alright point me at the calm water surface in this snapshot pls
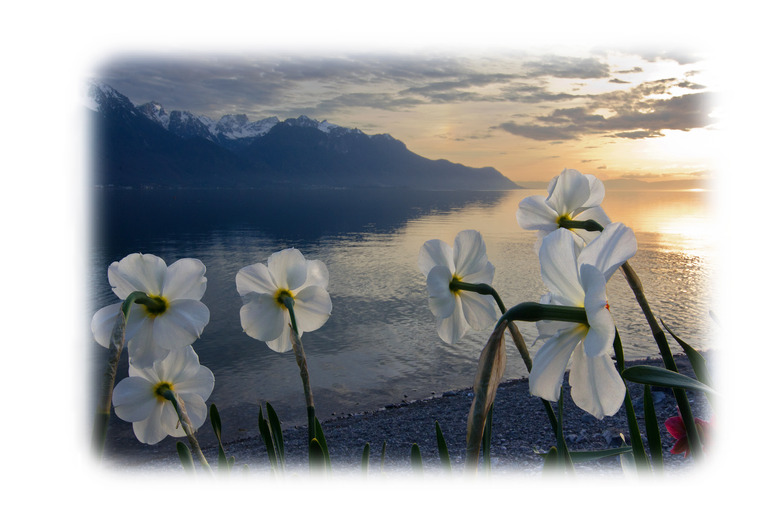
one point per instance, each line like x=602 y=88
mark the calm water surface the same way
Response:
x=380 y=345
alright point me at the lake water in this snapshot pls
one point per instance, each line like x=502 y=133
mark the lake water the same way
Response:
x=380 y=345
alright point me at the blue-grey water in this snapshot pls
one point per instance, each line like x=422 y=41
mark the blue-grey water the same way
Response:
x=380 y=345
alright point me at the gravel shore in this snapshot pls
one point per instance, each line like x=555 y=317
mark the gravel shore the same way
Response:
x=520 y=430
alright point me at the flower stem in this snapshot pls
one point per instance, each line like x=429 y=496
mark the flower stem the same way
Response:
x=101 y=421
x=299 y=353
x=187 y=426
x=588 y=225
x=517 y=337
x=669 y=362
x=640 y=458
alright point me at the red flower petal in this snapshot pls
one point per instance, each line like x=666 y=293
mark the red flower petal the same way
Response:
x=675 y=427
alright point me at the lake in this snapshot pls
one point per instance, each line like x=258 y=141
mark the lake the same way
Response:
x=380 y=345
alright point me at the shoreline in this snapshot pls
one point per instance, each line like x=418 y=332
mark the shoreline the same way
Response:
x=520 y=430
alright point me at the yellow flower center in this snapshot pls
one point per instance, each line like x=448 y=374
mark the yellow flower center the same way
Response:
x=455 y=279
x=563 y=219
x=157 y=306
x=281 y=294
x=160 y=387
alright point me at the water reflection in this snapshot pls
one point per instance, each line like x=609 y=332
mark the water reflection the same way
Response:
x=380 y=342
x=678 y=220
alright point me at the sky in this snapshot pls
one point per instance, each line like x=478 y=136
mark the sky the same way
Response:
x=529 y=112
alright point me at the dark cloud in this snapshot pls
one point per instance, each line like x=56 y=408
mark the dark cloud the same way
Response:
x=215 y=85
x=376 y=101
x=566 y=67
x=230 y=84
x=541 y=133
x=639 y=134
x=632 y=117
x=691 y=86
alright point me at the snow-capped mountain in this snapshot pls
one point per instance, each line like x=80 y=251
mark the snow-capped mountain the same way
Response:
x=147 y=146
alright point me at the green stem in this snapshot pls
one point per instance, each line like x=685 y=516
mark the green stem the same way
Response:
x=533 y=312
x=187 y=426
x=480 y=288
x=695 y=446
x=116 y=342
x=517 y=337
x=299 y=353
x=640 y=458
x=562 y=450
x=588 y=225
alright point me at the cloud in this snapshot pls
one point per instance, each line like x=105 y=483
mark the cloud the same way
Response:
x=566 y=67
x=539 y=132
x=639 y=134
x=380 y=101
x=643 y=111
x=681 y=56
x=634 y=70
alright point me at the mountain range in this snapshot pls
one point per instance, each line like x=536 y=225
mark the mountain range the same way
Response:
x=145 y=146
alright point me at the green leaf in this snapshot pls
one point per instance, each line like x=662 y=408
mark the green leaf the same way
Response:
x=583 y=456
x=365 y=458
x=416 y=458
x=185 y=457
x=266 y=435
x=657 y=376
x=443 y=450
x=316 y=459
x=383 y=453
x=215 y=421
x=277 y=434
x=697 y=361
x=322 y=441
x=223 y=463
x=551 y=460
x=563 y=457
x=489 y=372
x=652 y=429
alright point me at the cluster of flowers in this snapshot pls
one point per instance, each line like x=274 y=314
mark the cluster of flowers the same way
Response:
x=579 y=249
x=161 y=328
x=575 y=266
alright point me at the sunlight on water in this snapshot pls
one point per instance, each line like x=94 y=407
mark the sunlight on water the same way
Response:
x=680 y=220
x=380 y=345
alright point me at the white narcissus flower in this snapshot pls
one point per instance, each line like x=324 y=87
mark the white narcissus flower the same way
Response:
x=458 y=310
x=263 y=287
x=178 y=288
x=577 y=275
x=570 y=196
x=136 y=398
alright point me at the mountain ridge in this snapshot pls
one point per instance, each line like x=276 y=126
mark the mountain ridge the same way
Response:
x=146 y=146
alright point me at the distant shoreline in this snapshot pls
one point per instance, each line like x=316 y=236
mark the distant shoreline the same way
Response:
x=634 y=184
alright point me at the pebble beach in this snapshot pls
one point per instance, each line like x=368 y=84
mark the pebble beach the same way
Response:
x=520 y=432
